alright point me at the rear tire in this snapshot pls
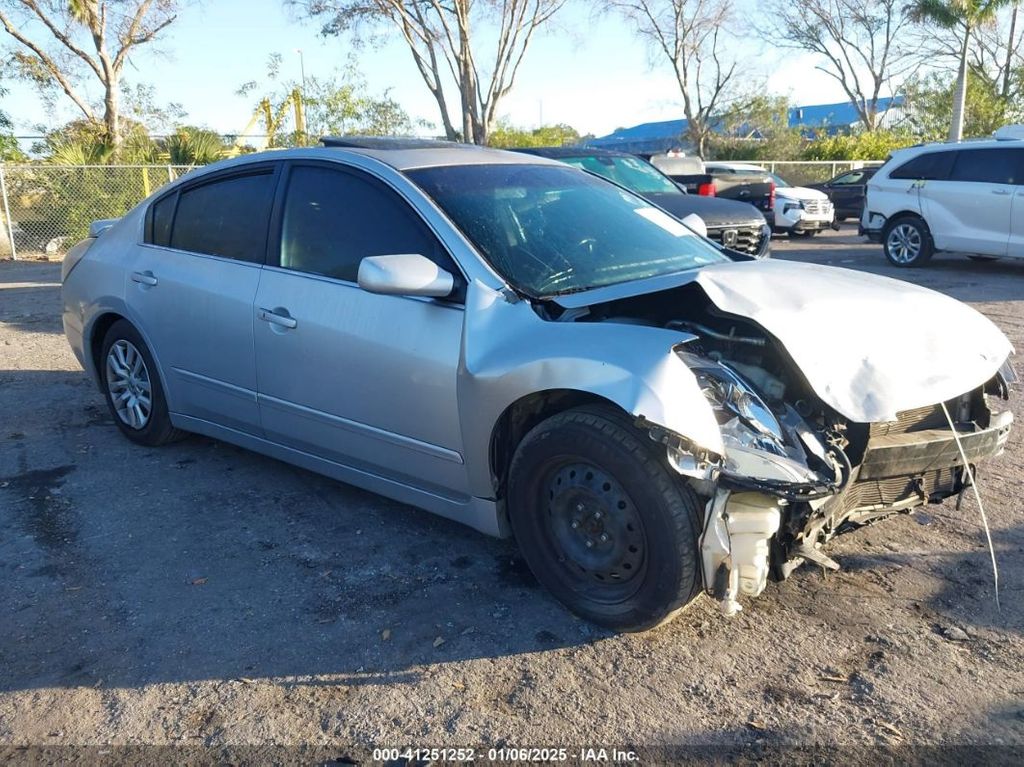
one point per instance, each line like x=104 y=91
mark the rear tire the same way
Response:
x=907 y=242
x=131 y=386
x=603 y=522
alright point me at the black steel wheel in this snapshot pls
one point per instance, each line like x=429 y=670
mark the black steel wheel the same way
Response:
x=602 y=520
x=596 y=530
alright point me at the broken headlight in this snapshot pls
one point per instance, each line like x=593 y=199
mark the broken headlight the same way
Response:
x=755 y=442
x=733 y=399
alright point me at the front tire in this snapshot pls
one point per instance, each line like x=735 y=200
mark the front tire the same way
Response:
x=603 y=522
x=907 y=242
x=132 y=387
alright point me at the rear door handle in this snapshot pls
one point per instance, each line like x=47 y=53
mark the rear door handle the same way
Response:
x=274 y=318
x=1000 y=191
x=144 y=278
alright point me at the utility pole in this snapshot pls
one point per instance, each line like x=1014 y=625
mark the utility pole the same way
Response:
x=1010 y=50
x=300 y=97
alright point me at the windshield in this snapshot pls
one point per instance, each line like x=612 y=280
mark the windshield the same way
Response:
x=550 y=230
x=779 y=181
x=630 y=172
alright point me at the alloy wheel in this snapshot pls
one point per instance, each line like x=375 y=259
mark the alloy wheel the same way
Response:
x=904 y=243
x=129 y=385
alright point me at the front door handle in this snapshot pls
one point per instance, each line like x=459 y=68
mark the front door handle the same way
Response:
x=144 y=278
x=268 y=315
x=1000 y=191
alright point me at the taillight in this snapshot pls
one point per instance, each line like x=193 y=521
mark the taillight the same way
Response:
x=706 y=190
x=771 y=195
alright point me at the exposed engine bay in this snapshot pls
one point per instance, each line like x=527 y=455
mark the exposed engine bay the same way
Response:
x=796 y=472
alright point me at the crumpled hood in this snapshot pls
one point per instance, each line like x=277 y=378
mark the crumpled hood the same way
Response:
x=799 y=193
x=869 y=346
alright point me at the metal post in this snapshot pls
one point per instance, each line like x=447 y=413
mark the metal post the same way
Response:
x=170 y=173
x=7 y=213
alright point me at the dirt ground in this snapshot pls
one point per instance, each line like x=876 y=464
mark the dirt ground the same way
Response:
x=203 y=595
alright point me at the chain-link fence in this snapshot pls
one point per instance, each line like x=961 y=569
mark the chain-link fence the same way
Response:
x=48 y=208
x=45 y=209
x=799 y=173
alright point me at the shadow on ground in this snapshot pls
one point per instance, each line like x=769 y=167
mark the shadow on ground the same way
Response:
x=125 y=566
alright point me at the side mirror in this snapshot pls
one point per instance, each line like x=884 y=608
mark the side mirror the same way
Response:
x=404 y=275
x=696 y=223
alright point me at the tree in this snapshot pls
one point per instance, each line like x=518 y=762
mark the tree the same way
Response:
x=84 y=142
x=507 y=136
x=440 y=35
x=864 y=145
x=996 y=52
x=691 y=34
x=337 y=104
x=53 y=40
x=756 y=129
x=985 y=110
x=863 y=44
x=964 y=17
x=192 y=145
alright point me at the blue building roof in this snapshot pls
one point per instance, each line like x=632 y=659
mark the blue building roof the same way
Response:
x=655 y=137
x=833 y=117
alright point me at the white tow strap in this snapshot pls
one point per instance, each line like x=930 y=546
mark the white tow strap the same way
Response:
x=977 y=497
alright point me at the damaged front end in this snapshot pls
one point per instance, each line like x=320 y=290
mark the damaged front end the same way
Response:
x=794 y=472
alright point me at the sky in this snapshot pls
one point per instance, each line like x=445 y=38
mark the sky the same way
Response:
x=587 y=71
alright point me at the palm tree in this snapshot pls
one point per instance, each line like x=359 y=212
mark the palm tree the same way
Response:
x=963 y=16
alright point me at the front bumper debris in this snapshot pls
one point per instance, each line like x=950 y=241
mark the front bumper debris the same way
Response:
x=897 y=455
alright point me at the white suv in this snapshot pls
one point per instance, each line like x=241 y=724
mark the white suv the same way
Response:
x=960 y=197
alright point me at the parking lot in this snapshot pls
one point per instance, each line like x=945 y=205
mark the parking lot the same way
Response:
x=205 y=595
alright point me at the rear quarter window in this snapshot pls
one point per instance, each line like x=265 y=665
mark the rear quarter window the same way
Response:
x=994 y=165
x=161 y=216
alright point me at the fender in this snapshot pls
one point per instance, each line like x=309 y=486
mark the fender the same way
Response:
x=508 y=352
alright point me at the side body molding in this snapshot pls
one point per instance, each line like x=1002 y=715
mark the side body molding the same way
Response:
x=508 y=352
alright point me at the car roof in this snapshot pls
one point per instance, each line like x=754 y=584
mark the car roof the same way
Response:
x=557 y=152
x=401 y=154
x=405 y=153
x=967 y=144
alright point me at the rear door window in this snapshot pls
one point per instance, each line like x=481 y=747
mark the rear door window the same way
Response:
x=226 y=217
x=931 y=166
x=991 y=166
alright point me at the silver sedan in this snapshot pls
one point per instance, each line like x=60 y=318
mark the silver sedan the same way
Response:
x=520 y=346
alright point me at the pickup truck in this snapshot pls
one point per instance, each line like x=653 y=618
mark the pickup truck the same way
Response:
x=687 y=171
x=795 y=210
x=754 y=187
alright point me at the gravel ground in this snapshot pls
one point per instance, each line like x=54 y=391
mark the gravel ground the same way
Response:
x=203 y=595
